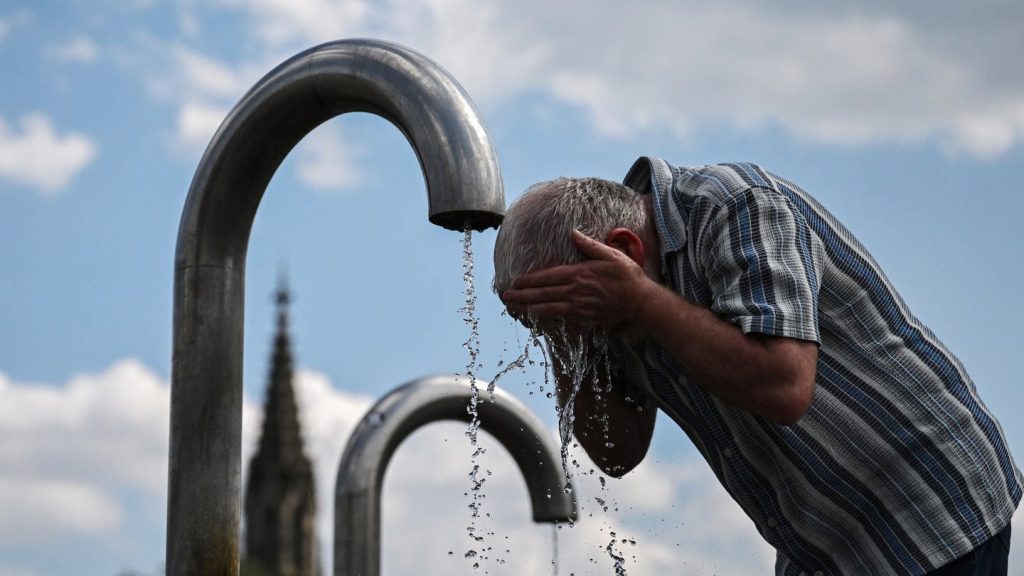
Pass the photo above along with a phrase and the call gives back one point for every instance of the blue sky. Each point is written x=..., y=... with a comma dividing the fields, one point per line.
x=906, y=121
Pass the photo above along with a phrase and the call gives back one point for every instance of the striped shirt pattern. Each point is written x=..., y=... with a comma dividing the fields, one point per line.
x=897, y=467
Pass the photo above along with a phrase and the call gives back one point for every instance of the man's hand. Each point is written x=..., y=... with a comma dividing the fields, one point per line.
x=603, y=291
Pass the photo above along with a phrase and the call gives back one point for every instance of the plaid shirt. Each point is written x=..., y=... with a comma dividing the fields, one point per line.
x=897, y=467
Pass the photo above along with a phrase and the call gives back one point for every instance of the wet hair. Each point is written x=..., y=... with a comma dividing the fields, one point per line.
x=536, y=231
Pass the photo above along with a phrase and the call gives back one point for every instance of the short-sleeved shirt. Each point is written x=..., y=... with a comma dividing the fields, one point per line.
x=897, y=467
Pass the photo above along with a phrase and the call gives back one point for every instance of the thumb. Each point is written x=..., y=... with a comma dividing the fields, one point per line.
x=591, y=247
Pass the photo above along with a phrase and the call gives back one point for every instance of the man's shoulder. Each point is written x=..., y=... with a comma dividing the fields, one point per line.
x=691, y=196
x=725, y=179
x=717, y=181
x=712, y=186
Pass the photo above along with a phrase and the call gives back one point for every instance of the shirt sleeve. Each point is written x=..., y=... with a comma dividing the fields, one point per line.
x=762, y=264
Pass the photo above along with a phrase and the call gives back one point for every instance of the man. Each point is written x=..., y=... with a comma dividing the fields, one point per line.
x=747, y=313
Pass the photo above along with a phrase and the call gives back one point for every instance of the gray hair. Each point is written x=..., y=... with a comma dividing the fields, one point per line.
x=536, y=231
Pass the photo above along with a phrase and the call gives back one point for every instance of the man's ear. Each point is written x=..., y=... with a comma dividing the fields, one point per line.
x=626, y=241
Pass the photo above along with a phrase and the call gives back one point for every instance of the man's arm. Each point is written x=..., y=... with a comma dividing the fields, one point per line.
x=769, y=376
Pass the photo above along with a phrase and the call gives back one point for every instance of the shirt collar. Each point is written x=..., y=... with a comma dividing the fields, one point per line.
x=655, y=176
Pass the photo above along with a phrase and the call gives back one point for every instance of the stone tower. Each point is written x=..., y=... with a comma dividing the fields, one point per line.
x=280, y=494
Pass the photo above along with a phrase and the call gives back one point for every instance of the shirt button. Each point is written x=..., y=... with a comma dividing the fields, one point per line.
x=772, y=523
x=819, y=573
x=727, y=452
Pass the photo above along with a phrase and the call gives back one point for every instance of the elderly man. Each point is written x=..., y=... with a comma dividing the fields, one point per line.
x=743, y=310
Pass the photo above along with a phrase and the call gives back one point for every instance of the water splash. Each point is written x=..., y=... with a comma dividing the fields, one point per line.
x=618, y=558
x=518, y=364
x=583, y=359
x=577, y=355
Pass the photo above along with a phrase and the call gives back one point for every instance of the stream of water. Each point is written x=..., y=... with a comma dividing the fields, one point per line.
x=582, y=357
x=472, y=346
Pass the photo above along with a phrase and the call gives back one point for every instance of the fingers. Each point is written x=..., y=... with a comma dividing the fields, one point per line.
x=567, y=273
x=592, y=248
x=536, y=295
x=542, y=310
x=553, y=276
x=577, y=293
x=544, y=302
x=559, y=310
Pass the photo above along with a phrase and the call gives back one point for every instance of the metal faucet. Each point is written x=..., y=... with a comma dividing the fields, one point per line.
x=464, y=188
x=357, y=494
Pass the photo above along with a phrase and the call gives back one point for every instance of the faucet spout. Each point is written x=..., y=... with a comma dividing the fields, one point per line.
x=357, y=493
x=464, y=189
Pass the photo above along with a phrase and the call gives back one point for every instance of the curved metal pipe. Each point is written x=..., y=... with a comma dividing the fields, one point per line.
x=361, y=472
x=464, y=188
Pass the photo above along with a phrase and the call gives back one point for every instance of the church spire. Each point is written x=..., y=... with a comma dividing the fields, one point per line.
x=280, y=495
x=282, y=435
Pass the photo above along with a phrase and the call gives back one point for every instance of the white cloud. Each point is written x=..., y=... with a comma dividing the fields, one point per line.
x=201, y=88
x=832, y=74
x=326, y=161
x=72, y=454
x=80, y=50
x=328, y=417
x=197, y=123
x=68, y=450
x=208, y=77
x=41, y=158
x=988, y=134
x=492, y=48
x=38, y=509
x=204, y=89
x=284, y=22
x=839, y=79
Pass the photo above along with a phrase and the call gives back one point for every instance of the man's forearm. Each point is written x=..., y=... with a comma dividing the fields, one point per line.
x=771, y=377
